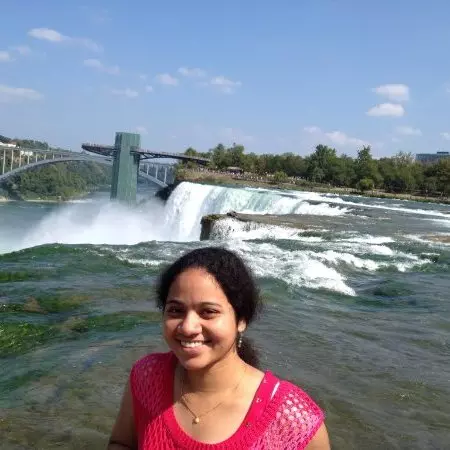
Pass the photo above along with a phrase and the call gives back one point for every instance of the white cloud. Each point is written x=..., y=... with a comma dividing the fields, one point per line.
x=340, y=138
x=312, y=129
x=23, y=50
x=408, y=131
x=98, y=65
x=224, y=84
x=194, y=72
x=394, y=92
x=143, y=77
x=386, y=109
x=47, y=34
x=129, y=93
x=148, y=88
x=5, y=56
x=336, y=137
x=9, y=93
x=445, y=135
x=142, y=130
x=166, y=79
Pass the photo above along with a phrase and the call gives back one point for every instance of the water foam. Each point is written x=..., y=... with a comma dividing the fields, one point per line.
x=189, y=202
x=97, y=223
x=229, y=228
x=319, y=262
x=297, y=268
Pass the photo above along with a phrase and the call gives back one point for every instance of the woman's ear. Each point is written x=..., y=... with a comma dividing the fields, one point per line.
x=242, y=325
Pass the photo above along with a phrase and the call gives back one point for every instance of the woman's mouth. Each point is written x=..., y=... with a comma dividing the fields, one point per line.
x=192, y=344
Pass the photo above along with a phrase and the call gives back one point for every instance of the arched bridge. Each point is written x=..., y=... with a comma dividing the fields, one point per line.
x=127, y=158
x=14, y=160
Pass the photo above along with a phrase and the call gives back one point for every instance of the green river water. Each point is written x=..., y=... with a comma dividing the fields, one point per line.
x=357, y=309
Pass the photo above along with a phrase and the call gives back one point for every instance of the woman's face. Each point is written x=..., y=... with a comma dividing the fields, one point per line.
x=199, y=323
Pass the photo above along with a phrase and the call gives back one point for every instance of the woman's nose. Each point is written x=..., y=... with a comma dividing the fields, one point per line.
x=190, y=325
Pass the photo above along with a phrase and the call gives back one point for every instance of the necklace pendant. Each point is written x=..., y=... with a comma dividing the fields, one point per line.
x=196, y=420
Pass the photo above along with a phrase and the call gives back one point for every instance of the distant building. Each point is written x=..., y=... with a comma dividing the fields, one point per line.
x=431, y=157
x=235, y=170
x=26, y=153
x=10, y=145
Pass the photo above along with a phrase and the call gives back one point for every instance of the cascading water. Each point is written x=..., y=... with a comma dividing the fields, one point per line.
x=177, y=220
x=189, y=202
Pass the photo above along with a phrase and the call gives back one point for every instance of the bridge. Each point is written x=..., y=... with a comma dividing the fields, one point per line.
x=127, y=158
x=145, y=154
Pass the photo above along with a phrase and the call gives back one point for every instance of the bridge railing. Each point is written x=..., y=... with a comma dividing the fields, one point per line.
x=13, y=158
x=162, y=172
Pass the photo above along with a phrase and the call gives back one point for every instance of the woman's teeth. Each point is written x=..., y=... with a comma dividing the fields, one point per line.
x=191, y=344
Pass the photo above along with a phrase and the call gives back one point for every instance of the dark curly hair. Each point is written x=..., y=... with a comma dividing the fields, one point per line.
x=233, y=276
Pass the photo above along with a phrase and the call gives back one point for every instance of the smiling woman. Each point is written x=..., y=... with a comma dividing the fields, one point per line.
x=207, y=392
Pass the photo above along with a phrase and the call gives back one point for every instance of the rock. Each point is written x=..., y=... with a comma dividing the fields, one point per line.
x=443, y=238
x=164, y=193
x=207, y=222
x=32, y=305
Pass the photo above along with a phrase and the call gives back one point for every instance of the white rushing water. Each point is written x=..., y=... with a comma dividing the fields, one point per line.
x=177, y=220
x=316, y=262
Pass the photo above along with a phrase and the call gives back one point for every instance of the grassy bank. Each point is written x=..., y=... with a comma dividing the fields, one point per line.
x=225, y=179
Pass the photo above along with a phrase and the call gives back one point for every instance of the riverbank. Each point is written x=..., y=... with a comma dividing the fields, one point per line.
x=226, y=179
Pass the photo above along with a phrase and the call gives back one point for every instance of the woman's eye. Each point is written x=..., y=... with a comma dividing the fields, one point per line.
x=210, y=312
x=174, y=310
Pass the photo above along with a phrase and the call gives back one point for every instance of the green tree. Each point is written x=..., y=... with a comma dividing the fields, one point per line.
x=191, y=152
x=322, y=164
x=344, y=173
x=365, y=184
x=366, y=166
x=236, y=155
x=280, y=177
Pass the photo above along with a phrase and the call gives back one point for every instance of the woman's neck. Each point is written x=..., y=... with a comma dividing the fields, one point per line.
x=221, y=376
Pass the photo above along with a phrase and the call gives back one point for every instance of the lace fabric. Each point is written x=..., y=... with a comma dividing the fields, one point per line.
x=282, y=416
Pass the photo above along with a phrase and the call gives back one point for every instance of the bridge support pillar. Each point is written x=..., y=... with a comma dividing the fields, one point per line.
x=125, y=167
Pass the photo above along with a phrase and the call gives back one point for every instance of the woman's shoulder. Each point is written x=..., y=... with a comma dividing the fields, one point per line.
x=149, y=379
x=295, y=413
x=153, y=361
x=150, y=369
x=294, y=394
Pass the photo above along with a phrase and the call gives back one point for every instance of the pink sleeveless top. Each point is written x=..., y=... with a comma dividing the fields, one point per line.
x=281, y=416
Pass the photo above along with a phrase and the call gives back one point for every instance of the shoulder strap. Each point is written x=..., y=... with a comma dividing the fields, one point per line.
x=263, y=396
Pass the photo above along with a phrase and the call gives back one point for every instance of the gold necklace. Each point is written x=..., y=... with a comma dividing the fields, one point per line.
x=196, y=417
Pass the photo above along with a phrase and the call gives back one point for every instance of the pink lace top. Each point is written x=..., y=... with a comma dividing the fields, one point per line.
x=281, y=416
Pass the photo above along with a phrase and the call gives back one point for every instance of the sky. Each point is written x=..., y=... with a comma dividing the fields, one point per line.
x=274, y=76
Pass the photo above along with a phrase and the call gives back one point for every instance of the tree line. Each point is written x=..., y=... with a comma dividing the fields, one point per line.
x=400, y=173
x=28, y=143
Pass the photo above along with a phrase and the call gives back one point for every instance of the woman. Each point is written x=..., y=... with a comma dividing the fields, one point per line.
x=207, y=392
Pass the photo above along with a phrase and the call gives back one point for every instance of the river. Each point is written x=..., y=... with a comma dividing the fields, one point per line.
x=357, y=309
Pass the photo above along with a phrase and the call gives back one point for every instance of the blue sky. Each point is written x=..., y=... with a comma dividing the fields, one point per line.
x=274, y=76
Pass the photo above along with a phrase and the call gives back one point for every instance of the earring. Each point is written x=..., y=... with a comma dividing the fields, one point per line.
x=239, y=343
